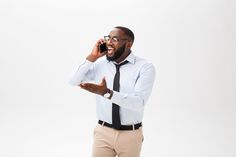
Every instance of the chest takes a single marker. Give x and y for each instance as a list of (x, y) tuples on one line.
[(128, 77)]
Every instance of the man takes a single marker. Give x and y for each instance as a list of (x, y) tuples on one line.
[(122, 84)]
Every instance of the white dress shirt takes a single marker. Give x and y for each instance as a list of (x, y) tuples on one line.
[(136, 81)]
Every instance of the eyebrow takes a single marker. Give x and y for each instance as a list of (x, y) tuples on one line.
[(113, 36)]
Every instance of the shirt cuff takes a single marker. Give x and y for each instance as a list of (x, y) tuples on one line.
[(117, 98)]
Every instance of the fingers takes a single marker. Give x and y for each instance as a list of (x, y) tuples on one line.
[(100, 41), (89, 87), (95, 88), (85, 85)]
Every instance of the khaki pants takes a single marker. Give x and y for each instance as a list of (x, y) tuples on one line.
[(109, 142)]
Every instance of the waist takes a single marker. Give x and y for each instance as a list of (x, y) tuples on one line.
[(122, 127)]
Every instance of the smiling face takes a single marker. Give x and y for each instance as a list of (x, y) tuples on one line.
[(118, 44)]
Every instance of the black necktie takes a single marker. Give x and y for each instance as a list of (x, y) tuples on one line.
[(116, 87)]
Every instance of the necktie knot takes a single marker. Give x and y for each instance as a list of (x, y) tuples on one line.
[(119, 65)]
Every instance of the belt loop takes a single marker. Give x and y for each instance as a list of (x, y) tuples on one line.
[(133, 127), (103, 123)]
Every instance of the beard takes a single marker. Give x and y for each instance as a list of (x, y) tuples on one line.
[(117, 53)]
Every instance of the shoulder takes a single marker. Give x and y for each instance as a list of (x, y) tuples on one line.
[(144, 63), (101, 61)]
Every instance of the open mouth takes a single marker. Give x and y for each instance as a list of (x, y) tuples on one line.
[(110, 50)]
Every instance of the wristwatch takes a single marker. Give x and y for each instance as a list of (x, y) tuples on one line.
[(107, 94)]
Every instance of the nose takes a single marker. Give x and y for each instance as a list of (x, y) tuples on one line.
[(109, 41)]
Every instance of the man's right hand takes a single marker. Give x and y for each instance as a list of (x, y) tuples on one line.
[(96, 53)]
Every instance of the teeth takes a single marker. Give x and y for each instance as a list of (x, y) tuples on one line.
[(110, 50)]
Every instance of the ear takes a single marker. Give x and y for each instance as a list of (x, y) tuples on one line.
[(129, 44)]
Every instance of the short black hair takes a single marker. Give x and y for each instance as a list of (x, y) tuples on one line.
[(127, 32)]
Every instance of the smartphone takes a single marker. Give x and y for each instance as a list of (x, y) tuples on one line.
[(103, 47)]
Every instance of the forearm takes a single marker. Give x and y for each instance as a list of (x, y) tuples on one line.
[(133, 102), (80, 73), (91, 58)]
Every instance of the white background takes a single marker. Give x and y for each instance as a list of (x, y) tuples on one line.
[(191, 112)]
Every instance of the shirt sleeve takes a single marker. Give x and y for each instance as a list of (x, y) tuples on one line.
[(143, 87), (83, 73)]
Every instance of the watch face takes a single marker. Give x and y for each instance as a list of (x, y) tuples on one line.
[(107, 95)]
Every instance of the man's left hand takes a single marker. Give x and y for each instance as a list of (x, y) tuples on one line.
[(100, 89)]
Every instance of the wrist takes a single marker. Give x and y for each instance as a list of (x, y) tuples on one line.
[(91, 58), (108, 94)]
